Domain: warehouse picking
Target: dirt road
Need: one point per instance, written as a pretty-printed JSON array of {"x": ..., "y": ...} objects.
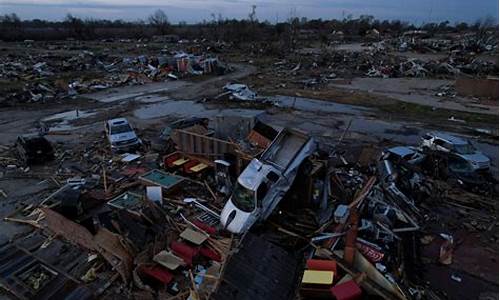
[
  {"x": 180, "y": 89},
  {"x": 418, "y": 91}
]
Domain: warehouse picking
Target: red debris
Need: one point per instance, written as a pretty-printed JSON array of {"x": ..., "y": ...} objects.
[
  {"x": 207, "y": 228},
  {"x": 158, "y": 273},
  {"x": 348, "y": 290},
  {"x": 209, "y": 253},
  {"x": 371, "y": 254},
  {"x": 322, "y": 265},
  {"x": 184, "y": 251}
]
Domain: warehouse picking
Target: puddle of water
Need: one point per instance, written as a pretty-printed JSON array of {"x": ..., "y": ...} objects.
[
  {"x": 64, "y": 127},
  {"x": 307, "y": 118},
  {"x": 63, "y": 120},
  {"x": 187, "y": 109},
  {"x": 70, "y": 115},
  {"x": 135, "y": 91},
  {"x": 118, "y": 97},
  {"x": 164, "y": 106},
  {"x": 151, "y": 98},
  {"x": 399, "y": 132},
  {"x": 311, "y": 105}
]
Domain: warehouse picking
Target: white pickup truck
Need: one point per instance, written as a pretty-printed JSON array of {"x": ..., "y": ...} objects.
[
  {"x": 462, "y": 150},
  {"x": 264, "y": 182},
  {"x": 121, "y": 136}
]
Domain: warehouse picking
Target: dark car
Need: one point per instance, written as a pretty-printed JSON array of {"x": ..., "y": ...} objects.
[
  {"x": 466, "y": 176},
  {"x": 34, "y": 149}
]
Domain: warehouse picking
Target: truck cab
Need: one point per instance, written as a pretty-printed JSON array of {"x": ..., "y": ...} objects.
[
  {"x": 251, "y": 199},
  {"x": 264, "y": 182}
]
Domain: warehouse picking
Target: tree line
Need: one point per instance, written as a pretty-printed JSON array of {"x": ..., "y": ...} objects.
[{"x": 12, "y": 28}]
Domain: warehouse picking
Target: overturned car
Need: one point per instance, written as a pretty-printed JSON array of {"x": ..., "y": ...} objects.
[{"x": 264, "y": 182}]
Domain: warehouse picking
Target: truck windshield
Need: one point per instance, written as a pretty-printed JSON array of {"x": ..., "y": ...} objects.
[
  {"x": 120, "y": 129},
  {"x": 465, "y": 149},
  {"x": 243, "y": 198}
]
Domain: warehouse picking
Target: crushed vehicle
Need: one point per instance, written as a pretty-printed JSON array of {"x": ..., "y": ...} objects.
[
  {"x": 409, "y": 154},
  {"x": 264, "y": 182},
  {"x": 31, "y": 149},
  {"x": 121, "y": 136},
  {"x": 467, "y": 177},
  {"x": 240, "y": 92},
  {"x": 458, "y": 147}
]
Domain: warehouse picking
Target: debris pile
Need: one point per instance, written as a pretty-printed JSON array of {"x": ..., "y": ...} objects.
[
  {"x": 371, "y": 245},
  {"x": 154, "y": 225},
  {"x": 411, "y": 55},
  {"x": 376, "y": 62},
  {"x": 45, "y": 78}
]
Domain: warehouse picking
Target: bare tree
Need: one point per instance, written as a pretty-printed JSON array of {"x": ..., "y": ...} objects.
[
  {"x": 252, "y": 14},
  {"x": 485, "y": 23},
  {"x": 159, "y": 20},
  {"x": 482, "y": 26},
  {"x": 10, "y": 26},
  {"x": 294, "y": 24},
  {"x": 76, "y": 26}
]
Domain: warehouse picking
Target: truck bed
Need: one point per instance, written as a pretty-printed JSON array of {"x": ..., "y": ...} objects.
[{"x": 284, "y": 149}]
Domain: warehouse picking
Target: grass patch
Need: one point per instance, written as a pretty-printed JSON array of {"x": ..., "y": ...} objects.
[
  {"x": 387, "y": 105},
  {"x": 416, "y": 111}
]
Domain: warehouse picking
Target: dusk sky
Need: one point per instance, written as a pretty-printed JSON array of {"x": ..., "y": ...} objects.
[{"x": 191, "y": 11}]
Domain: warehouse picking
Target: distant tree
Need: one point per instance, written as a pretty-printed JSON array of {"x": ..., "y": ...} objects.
[
  {"x": 461, "y": 26},
  {"x": 430, "y": 27},
  {"x": 443, "y": 26},
  {"x": 75, "y": 25},
  {"x": 118, "y": 23},
  {"x": 90, "y": 26},
  {"x": 485, "y": 22},
  {"x": 138, "y": 29},
  {"x": 11, "y": 27},
  {"x": 398, "y": 27},
  {"x": 11, "y": 19},
  {"x": 11, "y": 22},
  {"x": 366, "y": 18},
  {"x": 364, "y": 24},
  {"x": 240, "y": 32},
  {"x": 159, "y": 21},
  {"x": 482, "y": 26},
  {"x": 252, "y": 14}
]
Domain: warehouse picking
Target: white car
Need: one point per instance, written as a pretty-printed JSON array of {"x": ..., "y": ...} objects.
[
  {"x": 121, "y": 136},
  {"x": 458, "y": 147}
]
